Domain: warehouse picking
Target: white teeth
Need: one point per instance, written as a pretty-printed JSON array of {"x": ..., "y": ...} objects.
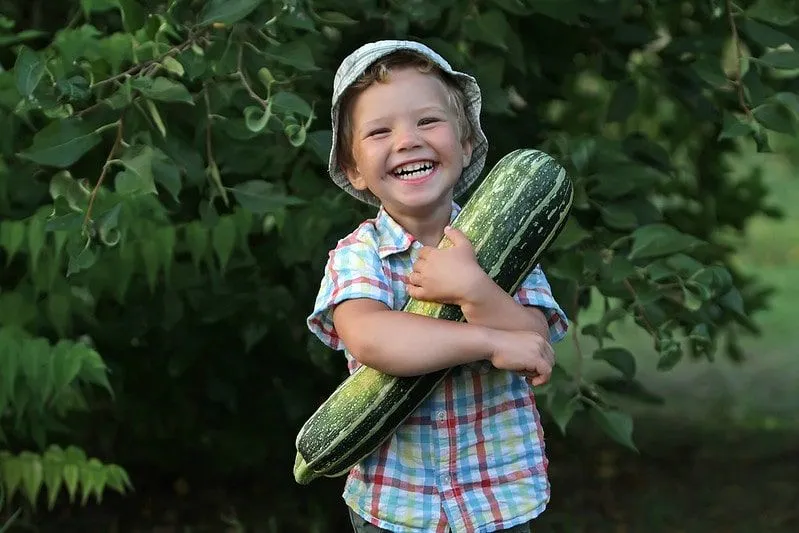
[{"x": 413, "y": 170}]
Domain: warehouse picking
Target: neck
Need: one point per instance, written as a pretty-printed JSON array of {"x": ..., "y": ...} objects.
[{"x": 427, "y": 229}]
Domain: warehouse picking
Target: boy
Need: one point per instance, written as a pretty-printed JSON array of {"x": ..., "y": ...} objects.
[{"x": 407, "y": 138}]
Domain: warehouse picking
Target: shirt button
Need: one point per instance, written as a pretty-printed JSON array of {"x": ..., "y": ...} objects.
[
  {"x": 444, "y": 478},
  {"x": 441, "y": 416}
]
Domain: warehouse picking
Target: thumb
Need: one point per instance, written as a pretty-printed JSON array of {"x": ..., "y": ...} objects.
[{"x": 457, "y": 237}]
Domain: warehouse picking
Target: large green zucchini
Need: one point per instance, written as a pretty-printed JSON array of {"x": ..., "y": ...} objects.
[{"x": 515, "y": 213}]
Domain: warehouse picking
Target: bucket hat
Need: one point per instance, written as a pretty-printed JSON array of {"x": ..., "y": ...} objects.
[{"x": 358, "y": 61}]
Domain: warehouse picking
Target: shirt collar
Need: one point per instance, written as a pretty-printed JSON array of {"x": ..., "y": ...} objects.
[{"x": 393, "y": 238}]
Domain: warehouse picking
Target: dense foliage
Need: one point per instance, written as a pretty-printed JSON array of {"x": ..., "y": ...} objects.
[{"x": 166, "y": 213}]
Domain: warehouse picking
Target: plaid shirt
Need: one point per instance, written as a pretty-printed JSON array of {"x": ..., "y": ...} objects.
[{"x": 471, "y": 457}]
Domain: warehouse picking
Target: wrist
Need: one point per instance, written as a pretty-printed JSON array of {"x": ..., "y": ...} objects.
[{"x": 479, "y": 291}]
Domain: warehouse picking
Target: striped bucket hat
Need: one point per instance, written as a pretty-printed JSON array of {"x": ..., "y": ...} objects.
[{"x": 358, "y": 61}]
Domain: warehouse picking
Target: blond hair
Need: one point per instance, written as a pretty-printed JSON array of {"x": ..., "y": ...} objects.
[{"x": 379, "y": 72}]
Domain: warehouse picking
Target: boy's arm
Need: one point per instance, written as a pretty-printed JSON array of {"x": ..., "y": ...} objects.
[
  {"x": 400, "y": 343},
  {"x": 489, "y": 306},
  {"x": 406, "y": 344},
  {"x": 451, "y": 275}
]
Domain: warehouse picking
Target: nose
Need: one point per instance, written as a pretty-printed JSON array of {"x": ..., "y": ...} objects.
[{"x": 407, "y": 138}]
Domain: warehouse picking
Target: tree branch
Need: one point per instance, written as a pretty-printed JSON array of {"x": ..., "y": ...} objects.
[
  {"x": 245, "y": 82},
  {"x": 649, "y": 327},
  {"x": 737, "y": 76},
  {"x": 106, "y": 166},
  {"x": 148, "y": 64},
  {"x": 575, "y": 334}
]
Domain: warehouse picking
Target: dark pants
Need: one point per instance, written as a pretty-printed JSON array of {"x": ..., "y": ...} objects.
[{"x": 359, "y": 525}]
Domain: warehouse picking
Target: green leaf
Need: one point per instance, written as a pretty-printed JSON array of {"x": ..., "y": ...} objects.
[
  {"x": 571, "y": 235},
  {"x": 288, "y": 102},
  {"x": 81, "y": 261},
  {"x": 616, "y": 424},
  {"x": 37, "y": 236},
  {"x": 133, "y": 15},
  {"x": 619, "y": 358},
  {"x": 295, "y": 134},
  {"x": 62, "y": 142},
  {"x": 566, "y": 11},
  {"x": 75, "y": 89},
  {"x": 766, "y": 35},
  {"x": 562, "y": 408},
  {"x": 656, "y": 240},
  {"x": 173, "y": 65},
  {"x": 107, "y": 226},
  {"x": 320, "y": 142},
  {"x": 618, "y": 216},
  {"x": 261, "y": 197},
  {"x": 97, "y": 6},
  {"x": 335, "y": 18},
  {"x": 167, "y": 174},
  {"x": 629, "y": 388},
  {"x": 223, "y": 239},
  {"x": 197, "y": 240},
  {"x": 780, "y": 59},
  {"x": 12, "y": 238},
  {"x": 162, "y": 89},
  {"x": 12, "y": 474},
  {"x": 25, "y": 35},
  {"x": 295, "y": 54},
  {"x": 58, "y": 311},
  {"x": 138, "y": 174},
  {"x": 777, "y": 12},
  {"x": 227, "y": 11},
  {"x": 256, "y": 118},
  {"x": 623, "y": 101},
  {"x": 28, "y": 71},
  {"x": 63, "y": 186},
  {"x": 490, "y": 27},
  {"x": 733, "y": 126},
  {"x": 776, "y": 117},
  {"x": 709, "y": 69},
  {"x": 156, "y": 116},
  {"x": 669, "y": 349}
]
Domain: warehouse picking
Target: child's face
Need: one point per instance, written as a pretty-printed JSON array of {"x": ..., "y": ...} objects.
[{"x": 405, "y": 143}]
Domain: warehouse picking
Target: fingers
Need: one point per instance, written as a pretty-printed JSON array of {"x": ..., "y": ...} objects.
[
  {"x": 540, "y": 375},
  {"x": 457, "y": 237}
]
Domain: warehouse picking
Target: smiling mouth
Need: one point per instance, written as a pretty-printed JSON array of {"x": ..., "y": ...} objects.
[{"x": 413, "y": 171}]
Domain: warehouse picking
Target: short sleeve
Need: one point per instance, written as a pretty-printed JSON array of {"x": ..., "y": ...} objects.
[
  {"x": 352, "y": 271},
  {"x": 536, "y": 292}
]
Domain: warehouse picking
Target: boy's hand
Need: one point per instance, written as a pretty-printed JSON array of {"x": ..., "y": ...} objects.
[
  {"x": 525, "y": 352},
  {"x": 446, "y": 275}
]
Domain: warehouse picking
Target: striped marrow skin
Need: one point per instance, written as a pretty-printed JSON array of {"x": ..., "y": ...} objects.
[{"x": 517, "y": 211}]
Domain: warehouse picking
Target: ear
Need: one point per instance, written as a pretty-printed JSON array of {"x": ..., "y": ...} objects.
[
  {"x": 356, "y": 178},
  {"x": 466, "y": 144}
]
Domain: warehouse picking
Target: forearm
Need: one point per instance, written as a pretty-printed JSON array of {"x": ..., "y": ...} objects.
[
  {"x": 405, "y": 344},
  {"x": 492, "y": 307}
]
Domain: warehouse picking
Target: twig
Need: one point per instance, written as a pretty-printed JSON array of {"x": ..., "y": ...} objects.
[
  {"x": 647, "y": 324},
  {"x": 245, "y": 82},
  {"x": 141, "y": 66},
  {"x": 737, "y": 76},
  {"x": 576, "y": 336},
  {"x": 106, "y": 166},
  {"x": 213, "y": 169}
]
